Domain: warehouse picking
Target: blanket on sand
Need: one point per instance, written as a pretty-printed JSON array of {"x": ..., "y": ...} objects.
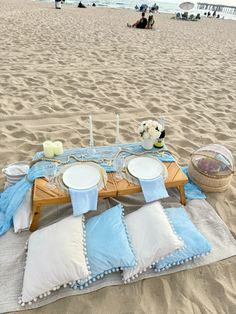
[{"x": 12, "y": 254}]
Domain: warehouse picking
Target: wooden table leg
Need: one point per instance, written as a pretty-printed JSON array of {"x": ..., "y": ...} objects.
[
  {"x": 35, "y": 219},
  {"x": 182, "y": 194}
]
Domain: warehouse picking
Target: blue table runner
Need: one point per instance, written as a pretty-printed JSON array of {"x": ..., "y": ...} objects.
[{"x": 107, "y": 152}]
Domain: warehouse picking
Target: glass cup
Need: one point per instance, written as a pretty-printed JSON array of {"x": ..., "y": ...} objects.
[
  {"x": 119, "y": 165},
  {"x": 51, "y": 179}
]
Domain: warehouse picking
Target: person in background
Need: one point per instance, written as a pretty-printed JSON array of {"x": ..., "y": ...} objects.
[
  {"x": 58, "y": 4},
  {"x": 209, "y": 14},
  {"x": 81, "y": 5},
  {"x": 136, "y": 8},
  {"x": 150, "y": 22},
  {"x": 143, "y": 8},
  {"x": 214, "y": 13},
  {"x": 142, "y": 23},
  {"x": 154, "y": 8}
]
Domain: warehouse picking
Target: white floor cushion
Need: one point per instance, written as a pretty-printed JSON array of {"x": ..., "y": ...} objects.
[
  {"x": 23, "y": 215},
  {"x": 56, "y": 256},
  {"x": 151, "y": 236}
]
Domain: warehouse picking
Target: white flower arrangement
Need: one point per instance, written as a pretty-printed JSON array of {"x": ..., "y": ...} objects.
[{"x": 150, "y": 129}]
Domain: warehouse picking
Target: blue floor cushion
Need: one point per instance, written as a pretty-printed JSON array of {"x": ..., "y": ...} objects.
[
  {"x": 108, "y": 245},
  {"x": 196, "y": 245}
]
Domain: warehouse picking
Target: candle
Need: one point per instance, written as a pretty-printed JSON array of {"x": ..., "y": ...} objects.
[
  {"x": 91, "y": 142},
  {"x": 117, "y": 128},
  {"x": 48, "y": 149},
  {"x": 58, "y": 148}
]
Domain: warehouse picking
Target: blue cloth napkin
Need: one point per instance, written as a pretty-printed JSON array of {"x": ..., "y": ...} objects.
[
  {"x": 84, "y": 200},
  {"x": 192, "y": 191},
  {"x": 153, "y": 189}
]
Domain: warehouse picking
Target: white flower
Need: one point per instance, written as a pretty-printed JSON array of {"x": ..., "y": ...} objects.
[
  {"x": 146, "y": 135},
  {"x": 141, "y": 128},
  {"x": 150, "y": 129},
  {"x": 154, "y": 134}
]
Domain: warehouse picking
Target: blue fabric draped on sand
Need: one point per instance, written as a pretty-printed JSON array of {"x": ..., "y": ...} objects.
[
  {"x": 192, "y": 191},
  {"x": 11, "y": 198}
]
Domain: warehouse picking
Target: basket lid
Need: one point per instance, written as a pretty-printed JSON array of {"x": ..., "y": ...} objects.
[{"x": 213, "y": 159}]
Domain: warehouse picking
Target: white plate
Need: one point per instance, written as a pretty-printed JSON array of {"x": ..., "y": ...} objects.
[
  {"x": 146, "y": 168},
  {"x": 101, "y": 184},
  {"x": 13, "y": 181},
  {"x": 15, "y": 178},
  {"x": 17, "y": 169},
  {"x": 81, "y": 177}
]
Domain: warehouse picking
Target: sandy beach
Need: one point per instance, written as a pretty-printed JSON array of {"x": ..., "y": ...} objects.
[{"x": 59, "y": 65}]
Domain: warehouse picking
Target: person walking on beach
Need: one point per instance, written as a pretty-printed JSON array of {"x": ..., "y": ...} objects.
[{"x": 142, "y": 23}]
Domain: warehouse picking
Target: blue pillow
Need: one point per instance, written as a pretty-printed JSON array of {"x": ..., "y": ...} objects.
[
  {"x": 108, "y": 245},
  {"x": 195, "y": 243}
]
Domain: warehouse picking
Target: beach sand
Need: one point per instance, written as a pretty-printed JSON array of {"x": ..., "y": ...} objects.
[{"x": 59, "y": 65}]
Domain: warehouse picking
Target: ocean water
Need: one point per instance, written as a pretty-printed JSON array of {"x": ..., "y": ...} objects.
[
  {"x": 130, "y": 4},
  {"x": 169, "y": 6}
]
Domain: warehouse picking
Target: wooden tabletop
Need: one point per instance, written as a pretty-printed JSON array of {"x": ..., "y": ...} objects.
[{"x": 44, "y": 196}]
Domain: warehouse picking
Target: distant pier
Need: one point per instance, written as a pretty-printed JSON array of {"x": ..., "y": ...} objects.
[{"x": 216, "y": 7}]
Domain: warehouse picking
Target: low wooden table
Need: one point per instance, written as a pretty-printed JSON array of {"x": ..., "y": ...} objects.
[{"x": 42, "y": 196}]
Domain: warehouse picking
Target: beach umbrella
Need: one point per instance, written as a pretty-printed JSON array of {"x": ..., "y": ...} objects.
[{"x": 186, "y": 6}]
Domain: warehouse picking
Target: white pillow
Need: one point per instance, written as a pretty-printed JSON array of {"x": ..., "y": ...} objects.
[
  {"x": 152, "y": 238},
  {"x": 56, "y": 256},
  {"x": 23, "y": 214}
]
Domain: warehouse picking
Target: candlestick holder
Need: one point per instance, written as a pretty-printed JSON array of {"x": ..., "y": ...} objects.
[
  {"x": 117, "y": 140},
  {"x": 92, "y": 149}
]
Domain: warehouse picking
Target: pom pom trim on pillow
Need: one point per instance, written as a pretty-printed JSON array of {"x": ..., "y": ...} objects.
[
  {"x": 84, "y": 285},
  {"x": 181, "y": 262},
  {"x": 70, "y": 283},
  {"x": 154, "y": 263}
]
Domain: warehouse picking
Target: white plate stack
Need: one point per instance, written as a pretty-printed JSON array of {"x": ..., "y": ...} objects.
[{"x": 15, "y": 172}]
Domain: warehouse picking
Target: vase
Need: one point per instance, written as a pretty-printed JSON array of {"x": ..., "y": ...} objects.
[
  {"x": 147, "y": 144},
  {"x": 159, "y": 143}
]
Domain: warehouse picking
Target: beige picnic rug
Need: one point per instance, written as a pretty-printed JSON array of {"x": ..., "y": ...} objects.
[{"x": 12, "y": 255}]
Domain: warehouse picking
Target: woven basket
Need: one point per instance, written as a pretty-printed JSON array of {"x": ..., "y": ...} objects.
[{"x": 208, "y": 183}]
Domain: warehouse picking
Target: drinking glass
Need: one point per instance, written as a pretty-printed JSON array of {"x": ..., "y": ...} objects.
[
  {"x": 118, "y": 165},
  {"x": 51, "y": 179}
]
